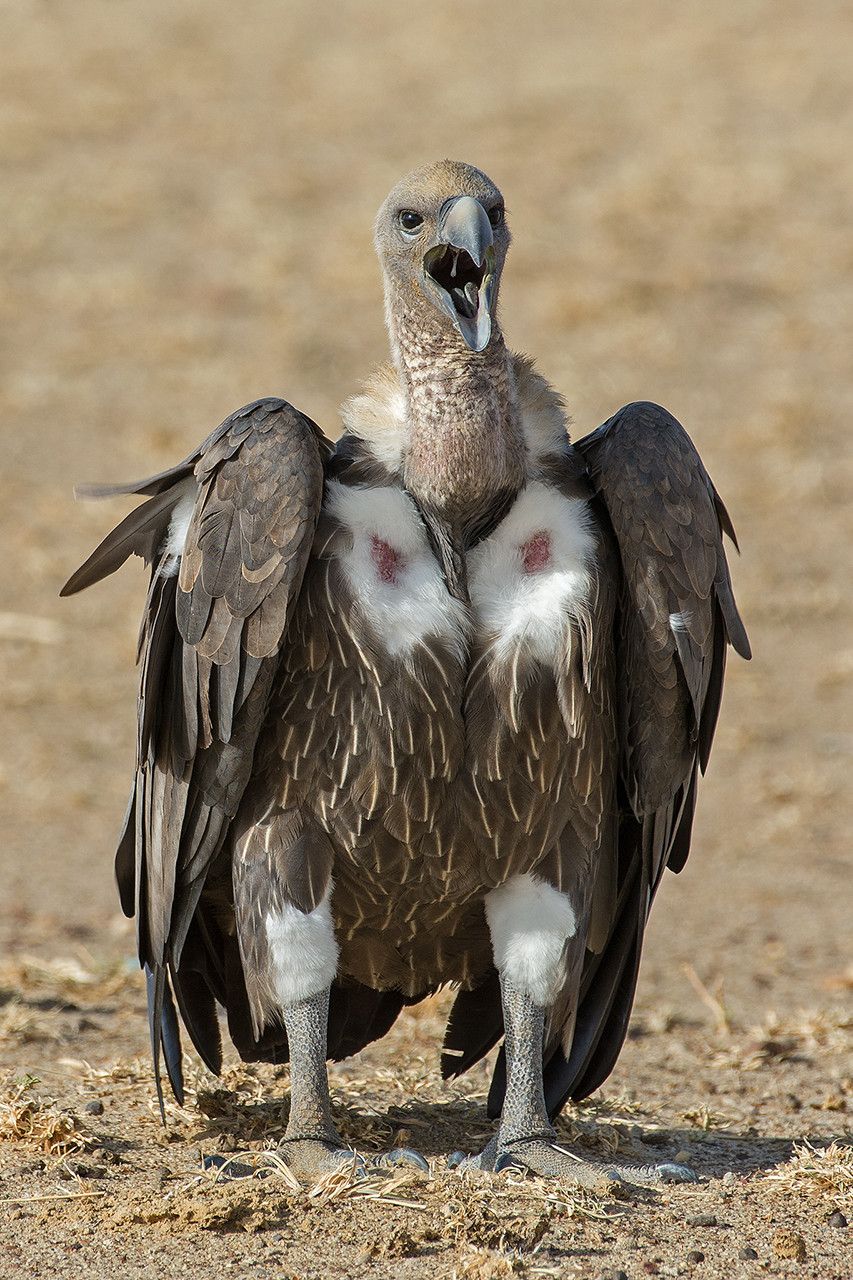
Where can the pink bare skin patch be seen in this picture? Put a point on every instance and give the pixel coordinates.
(536, 552)
(388, 561)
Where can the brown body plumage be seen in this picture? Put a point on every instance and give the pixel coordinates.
(392, 688)
(435, 775)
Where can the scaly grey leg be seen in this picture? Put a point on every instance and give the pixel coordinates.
(525, 1138)
(312, 1145)
(524, 1118)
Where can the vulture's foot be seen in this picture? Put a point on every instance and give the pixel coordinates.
(525, 1138)
(543, 1156)
(310, 1158)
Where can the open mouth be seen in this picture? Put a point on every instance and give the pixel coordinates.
(456, 272)
(464, 289)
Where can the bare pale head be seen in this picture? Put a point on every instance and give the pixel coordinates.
(442, 240)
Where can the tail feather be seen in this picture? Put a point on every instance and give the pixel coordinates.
(165, 1035)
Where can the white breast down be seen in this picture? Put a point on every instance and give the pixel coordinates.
(417, 605)
(527, 614)
(519, 614)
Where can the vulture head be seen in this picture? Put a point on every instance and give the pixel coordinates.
(442, 239)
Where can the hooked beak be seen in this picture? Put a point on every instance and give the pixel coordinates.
(459, 271)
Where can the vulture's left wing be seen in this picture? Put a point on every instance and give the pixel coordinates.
(227, 534)
(676, 615)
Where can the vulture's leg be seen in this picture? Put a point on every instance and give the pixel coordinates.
(289, 966)
(290, 958)
(312, 1144)
(525, 1138)
(532, 925)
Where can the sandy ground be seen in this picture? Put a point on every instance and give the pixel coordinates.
(187, 198)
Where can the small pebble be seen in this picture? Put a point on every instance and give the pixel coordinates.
(747, 1254)
(837, 1219)
(87, 1170)
(167, 1136)
(695, 1255)
(729, 1179)
(701, 1220)
(95, 1107)
(682, 1157)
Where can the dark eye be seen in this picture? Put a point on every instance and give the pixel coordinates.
(410, 220)
(496, 215)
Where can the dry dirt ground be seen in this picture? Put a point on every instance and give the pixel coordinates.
(187, 194)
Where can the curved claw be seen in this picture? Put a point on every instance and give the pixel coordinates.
(456, 1158)
(507, 1161)
(671, 1171)
(345, 1155)
(228, 1168)
(404, 1155)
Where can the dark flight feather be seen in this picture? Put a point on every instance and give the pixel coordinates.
(199, 719)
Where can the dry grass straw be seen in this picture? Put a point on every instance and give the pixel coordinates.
(38, 1122)
(55, 982)
(66, 975)
(815, 1029)
(713, 1001)
(18, 1023)
(264, 1165)
(780, 1038)
(58, 1195)
(349, 1182)
(825, 1172)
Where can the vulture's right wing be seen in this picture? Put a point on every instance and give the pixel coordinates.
(227, 533)
(676, 614)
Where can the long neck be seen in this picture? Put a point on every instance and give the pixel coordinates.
(465, 456)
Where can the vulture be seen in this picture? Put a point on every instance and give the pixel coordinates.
(423, 707)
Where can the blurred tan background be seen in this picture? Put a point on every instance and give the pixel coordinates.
(187, 195)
